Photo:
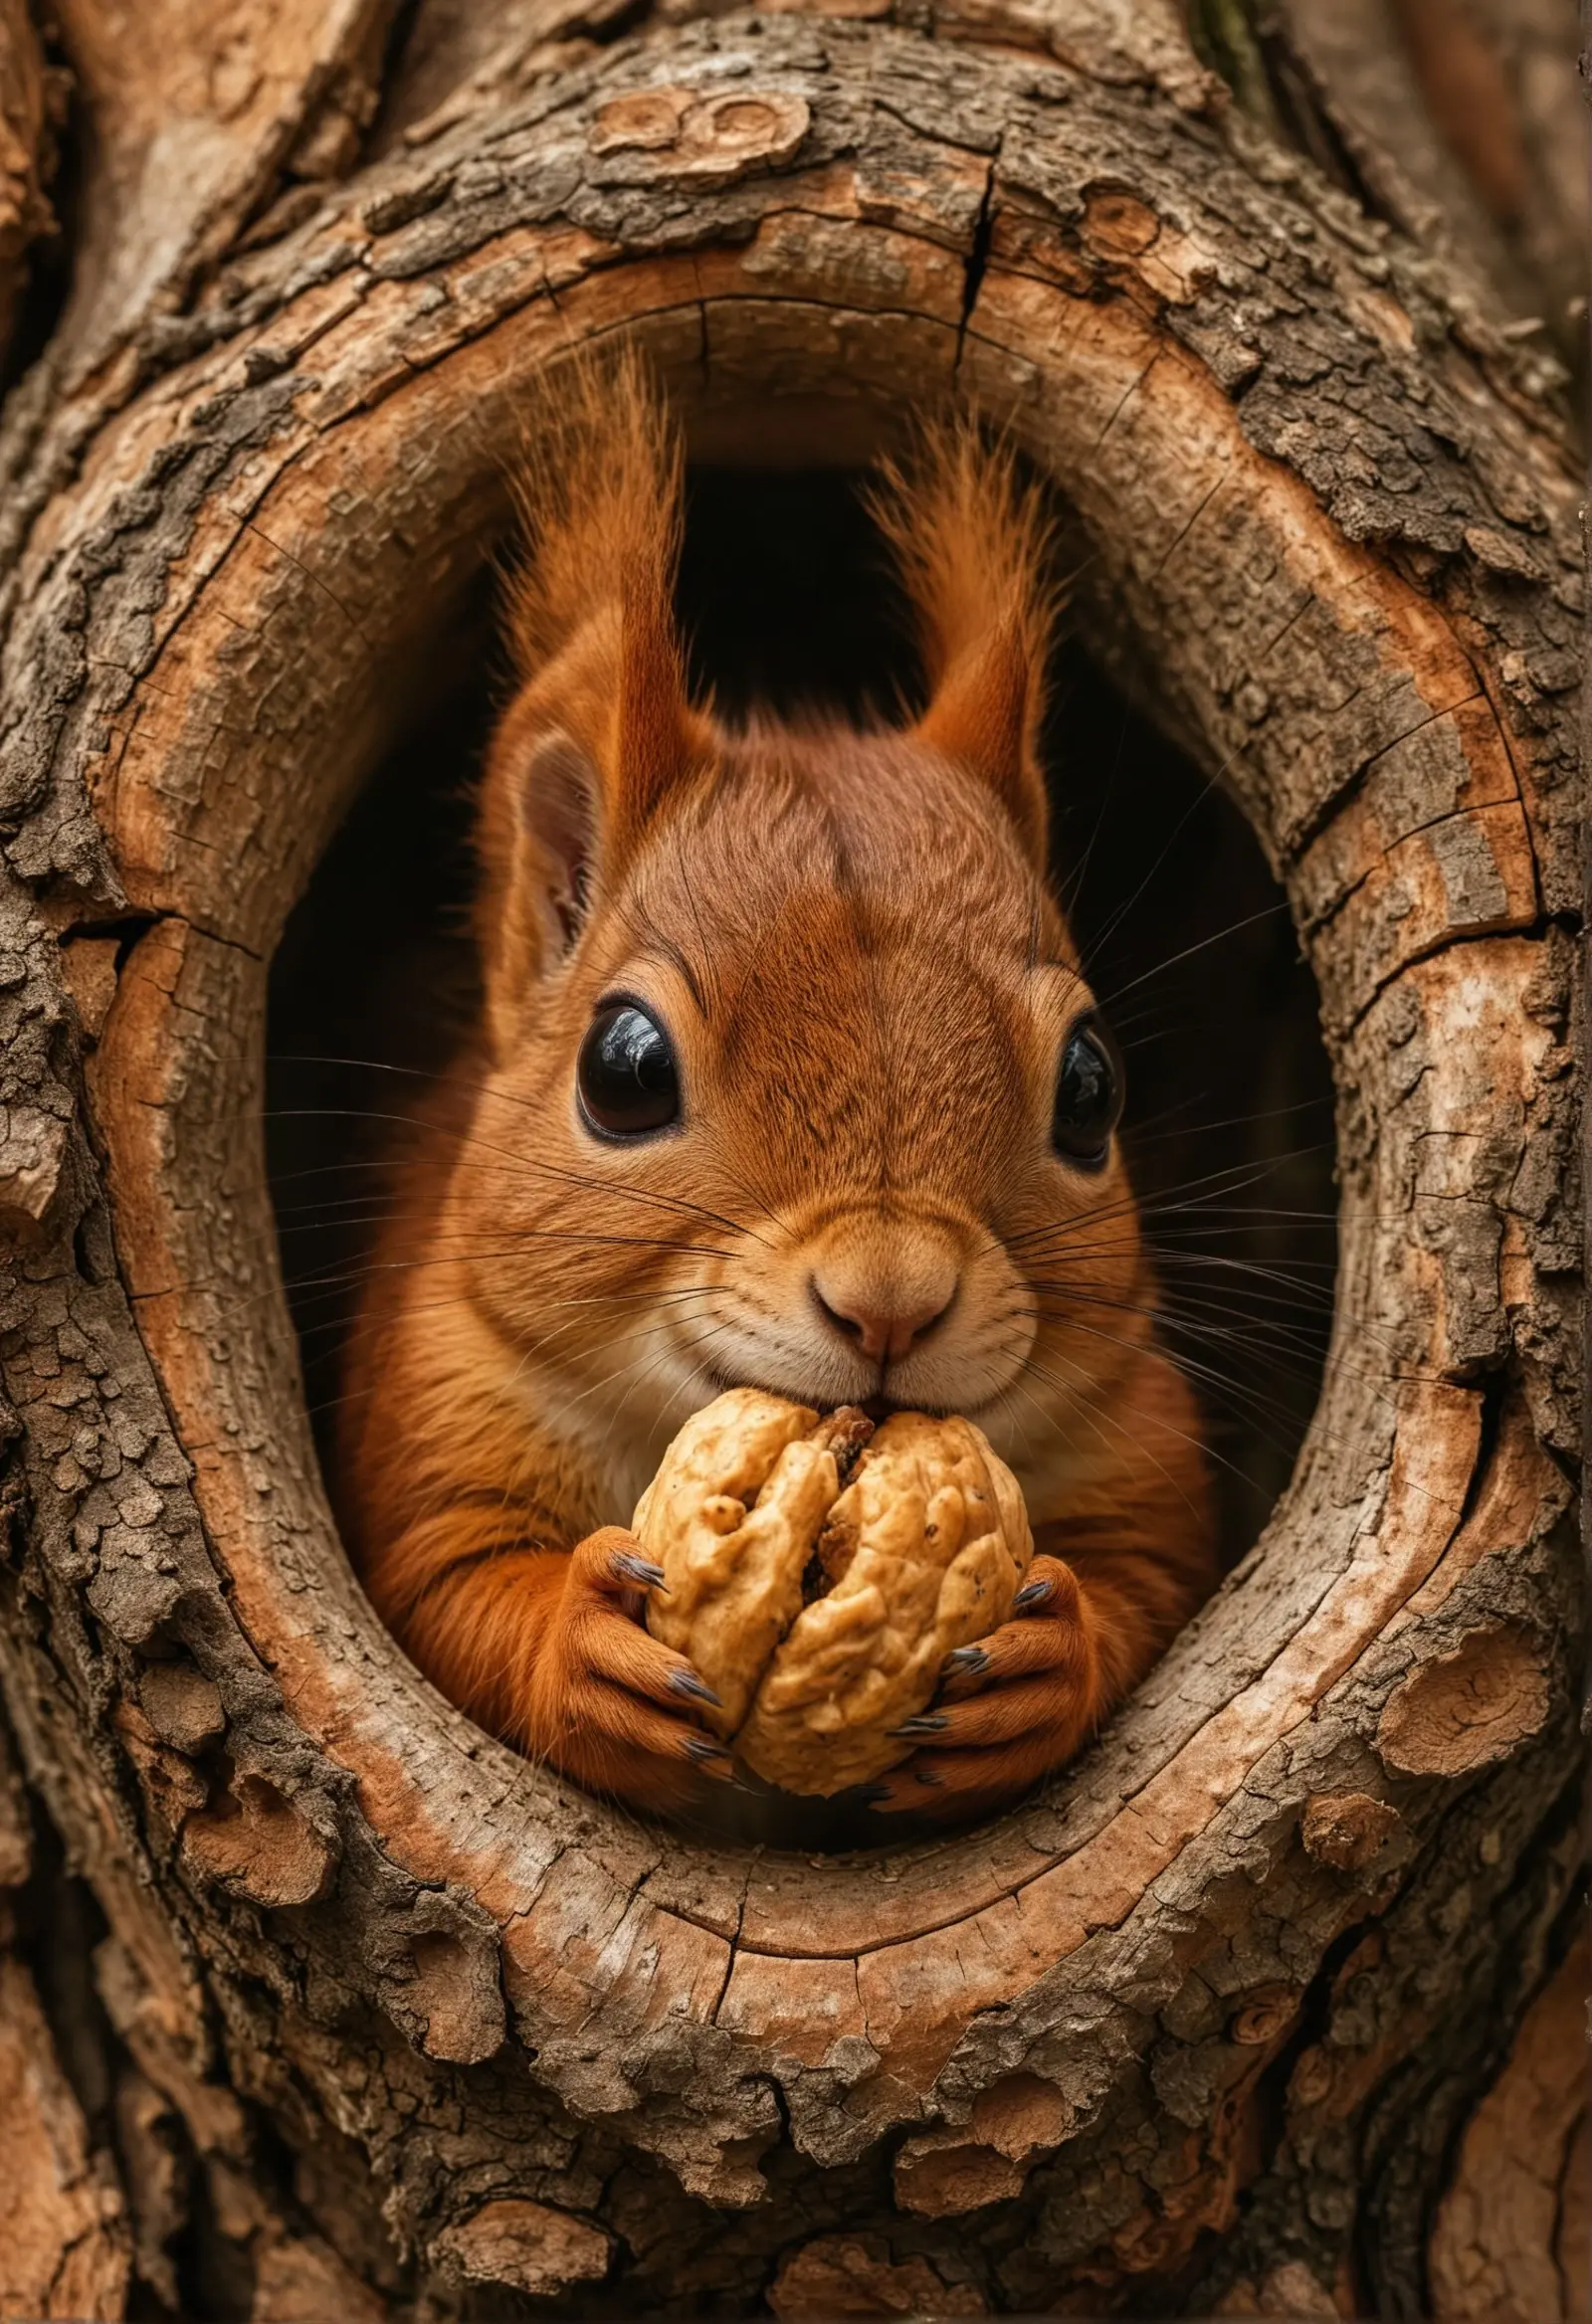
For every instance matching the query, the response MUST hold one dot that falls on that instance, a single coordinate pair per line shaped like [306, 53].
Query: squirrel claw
[688, 1682]
[638, 1570]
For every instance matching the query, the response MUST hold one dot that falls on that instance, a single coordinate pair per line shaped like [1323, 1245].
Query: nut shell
[920, 1552]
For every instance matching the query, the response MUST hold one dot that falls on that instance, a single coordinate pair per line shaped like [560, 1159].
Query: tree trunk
[316, 2000]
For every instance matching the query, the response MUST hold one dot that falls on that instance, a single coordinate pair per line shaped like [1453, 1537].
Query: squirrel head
[792, 1077]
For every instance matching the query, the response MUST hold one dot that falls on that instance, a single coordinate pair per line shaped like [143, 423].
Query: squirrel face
[793, 1080]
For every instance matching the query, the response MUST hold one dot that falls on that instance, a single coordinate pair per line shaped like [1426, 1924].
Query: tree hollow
[809, 237]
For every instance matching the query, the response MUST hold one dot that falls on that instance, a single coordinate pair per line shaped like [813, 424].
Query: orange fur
[972, 552]
[867, 983]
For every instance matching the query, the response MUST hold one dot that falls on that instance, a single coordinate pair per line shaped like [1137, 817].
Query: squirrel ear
[973, 550]
[985, 714]
[540, 854]
[601, 731]
[580, 764]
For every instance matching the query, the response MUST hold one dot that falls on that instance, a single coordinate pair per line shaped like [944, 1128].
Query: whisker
[1097, 1413]
[1232, 1178]
[523, 1161]
[1134, 1348]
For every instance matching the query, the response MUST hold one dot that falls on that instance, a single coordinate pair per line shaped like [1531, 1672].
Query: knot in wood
[707, 139]
[854, 2275]
[33, 1150]
[451, 2005]
[1468, 1710]
[1346, 1830]
[1118, 225]
[951, 2170]
[251, 1839]
[530, 2247]
[182, 1705]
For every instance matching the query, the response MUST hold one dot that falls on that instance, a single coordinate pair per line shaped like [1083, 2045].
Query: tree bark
[320, 2000]
[1461, 122]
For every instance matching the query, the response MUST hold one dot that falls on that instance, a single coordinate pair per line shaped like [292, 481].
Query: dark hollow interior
[1185, 935]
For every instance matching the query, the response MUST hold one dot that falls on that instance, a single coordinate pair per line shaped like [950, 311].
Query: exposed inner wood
[63, 2229]
[1510, 2237]
[193, 110]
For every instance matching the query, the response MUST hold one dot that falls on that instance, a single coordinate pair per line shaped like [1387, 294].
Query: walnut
[820, 1570]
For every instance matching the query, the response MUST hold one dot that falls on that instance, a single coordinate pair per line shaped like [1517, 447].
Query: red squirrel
[787, 1075]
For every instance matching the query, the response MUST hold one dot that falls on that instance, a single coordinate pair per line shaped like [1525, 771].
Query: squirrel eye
[626, 1077]
[1089, 1096]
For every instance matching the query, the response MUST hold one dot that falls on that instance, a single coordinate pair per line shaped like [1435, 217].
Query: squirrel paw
[612, 1708]
[1010, 1709]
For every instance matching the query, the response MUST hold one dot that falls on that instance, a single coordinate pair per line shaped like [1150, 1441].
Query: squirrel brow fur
[597, 488]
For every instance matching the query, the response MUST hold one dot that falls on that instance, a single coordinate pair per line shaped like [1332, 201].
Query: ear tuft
[974, 551]
[601, 731]
[597, 489]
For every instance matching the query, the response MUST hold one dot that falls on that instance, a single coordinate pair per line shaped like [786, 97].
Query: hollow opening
[787, 599]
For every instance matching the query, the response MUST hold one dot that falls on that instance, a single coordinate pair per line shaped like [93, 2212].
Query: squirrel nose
[883, 1324]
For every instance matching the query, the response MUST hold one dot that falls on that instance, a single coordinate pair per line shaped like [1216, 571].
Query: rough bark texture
[194, 113]
[376, 2009]
[1459, 121]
